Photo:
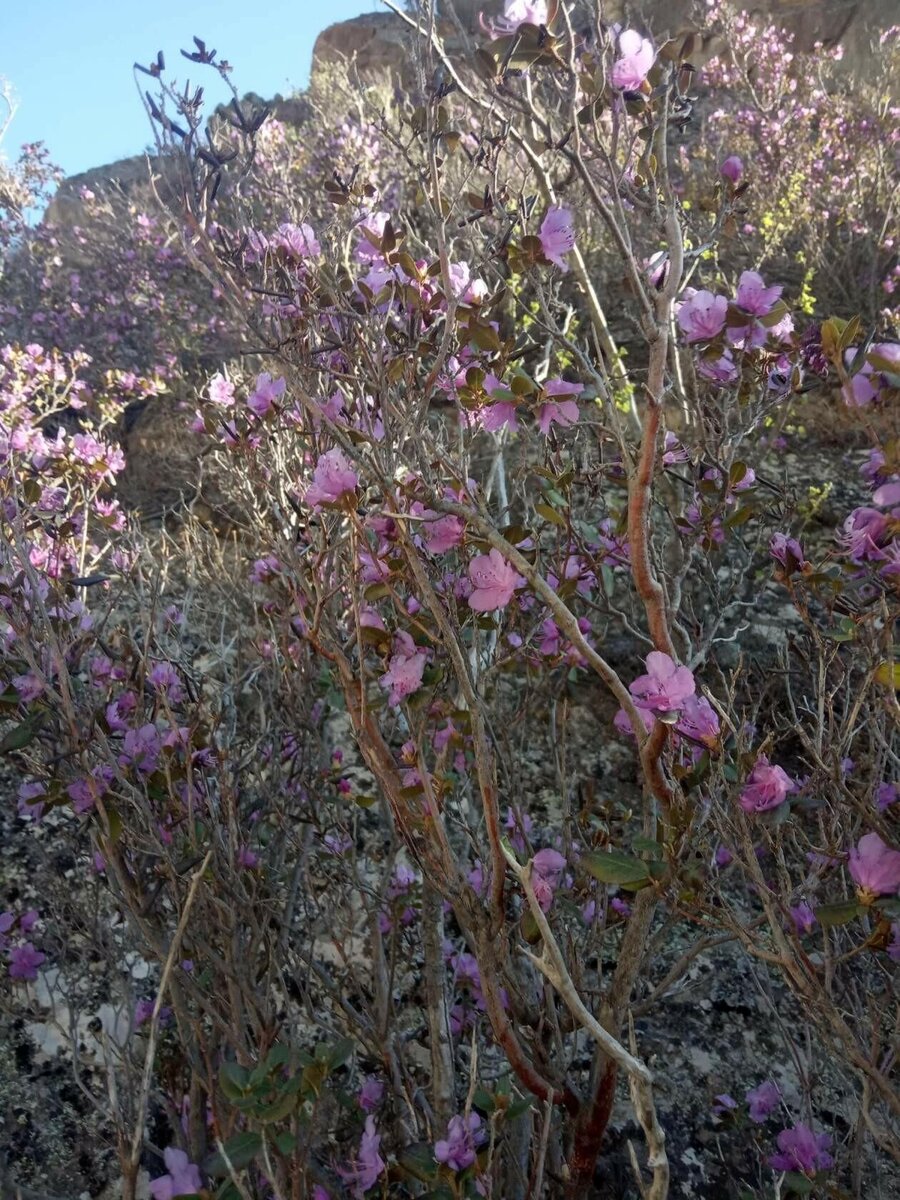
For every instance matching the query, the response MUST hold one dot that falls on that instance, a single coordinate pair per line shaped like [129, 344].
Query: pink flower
[371, 229]
[563, 413]
[458, 1149]
[464, 287]
[495, 416]
[720, 371]
[520, 12]
[702, 316]
[370, 1093]
[442, 533]
[404, 673]
[221, 391]
[557, 235]
[803, 917]
[364, 1173]
[333, 479]
[546, 867]
[24, 961]
[637, 57]
[754, 297]
[665, 687]
[296, 241]
[495, 581]
[802, 1150]
[766, 787]
[887, 494]
[265, 392]
[699, 721]
[879, 371]
[787, 551]
[560, 412]
[732, 168]
[183, 1178]
[874, 866]
[763, 1100]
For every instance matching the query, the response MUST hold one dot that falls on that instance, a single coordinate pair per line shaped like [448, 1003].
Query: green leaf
[888, 673]
[286, 1142]
[21, 735]
[340, 1053]
[797, 1184]
[241, 1150]
[518, 1108]
[233, 1080]
[846, 631]
[277, 1057]
[842, 913]
[615, 867]
[550, 514]
[418, 1161]
[281, 1107]
[645, 845]
[228, 1192]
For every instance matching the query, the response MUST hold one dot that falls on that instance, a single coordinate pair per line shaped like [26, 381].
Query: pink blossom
[520, 12]
[404, 673]
[371, 228]
[732, 168]
[247, 859]
[495, 582]
[557, 235]
[370, 1093]
[363, 1174]
[24, 961]
[333, 479]
[665, 687]
[464, 287]
[702, 316]
[546, 867]
[754, 297]
[141, 749]
[458, 1149]
[221, 391]
[886, 794]
[874, 866]
[880, 371]
[265, 392]
[787, 551]
[561, 412]
[296, 241]
[767, 786]
[864, 534]
[699, 721]
[183, 1178]
[802, 1150]
[443, 532]
[493, 417]
[636, 58]
[887, 494]
[763, 1100]
[803, 917]
[720, 371]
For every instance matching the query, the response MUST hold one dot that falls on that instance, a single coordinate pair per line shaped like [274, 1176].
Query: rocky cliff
[379, 42]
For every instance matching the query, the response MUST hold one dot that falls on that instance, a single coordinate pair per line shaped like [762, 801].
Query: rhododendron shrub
[383, 963]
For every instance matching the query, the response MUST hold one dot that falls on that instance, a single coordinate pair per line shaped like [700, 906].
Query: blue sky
[70, 62]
